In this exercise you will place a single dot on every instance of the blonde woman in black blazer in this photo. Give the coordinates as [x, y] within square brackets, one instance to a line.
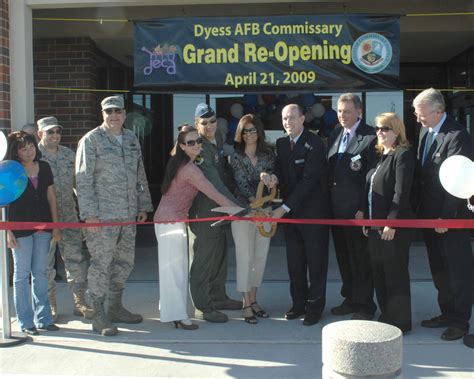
[388, 196]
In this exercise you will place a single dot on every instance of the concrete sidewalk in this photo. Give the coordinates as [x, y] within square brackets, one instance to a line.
[275, 348]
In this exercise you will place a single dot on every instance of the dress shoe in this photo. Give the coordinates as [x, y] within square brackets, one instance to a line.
[49, 328]
[469, 340]
[228, 304]
[30, 331]
[186, 325]
[294, 313]
[343, 309]
[311, 319]
[249, 316]
[258, 310]
[362, 316]
[436, 322]
[453, 333]
[215, 316]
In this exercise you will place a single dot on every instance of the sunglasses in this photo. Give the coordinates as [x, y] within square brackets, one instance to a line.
[193, 142]
[384, 129]
[54, 131]
[249, 131]
[211, 121]
[112, 110]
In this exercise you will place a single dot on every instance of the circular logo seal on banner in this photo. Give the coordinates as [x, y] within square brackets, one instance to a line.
[371, 53]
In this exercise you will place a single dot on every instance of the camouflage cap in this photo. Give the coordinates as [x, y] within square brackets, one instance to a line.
[112, 102]
[47, 123]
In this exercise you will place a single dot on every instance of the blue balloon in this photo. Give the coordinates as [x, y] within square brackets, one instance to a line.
[330, 117]
[250, 100]
[231, 127]
[308, 100]
[13, 181]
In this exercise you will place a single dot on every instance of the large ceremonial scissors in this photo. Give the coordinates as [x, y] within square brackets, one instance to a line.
[255, 209]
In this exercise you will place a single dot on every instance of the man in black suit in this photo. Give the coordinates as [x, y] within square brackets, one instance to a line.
[449, 250]
[351, 152]
[301, 170]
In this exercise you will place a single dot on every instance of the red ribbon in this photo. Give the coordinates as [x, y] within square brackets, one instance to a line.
[398, 223]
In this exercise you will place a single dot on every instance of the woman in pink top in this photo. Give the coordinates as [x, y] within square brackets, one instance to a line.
[181, 183]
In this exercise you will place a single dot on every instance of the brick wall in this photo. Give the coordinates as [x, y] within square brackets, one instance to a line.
[4, 67]
[67, 63]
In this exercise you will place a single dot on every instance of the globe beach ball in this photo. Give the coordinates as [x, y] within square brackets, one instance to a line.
[13, 181]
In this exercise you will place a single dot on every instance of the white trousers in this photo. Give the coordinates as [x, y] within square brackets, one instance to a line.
[173, 271]
[251, 250]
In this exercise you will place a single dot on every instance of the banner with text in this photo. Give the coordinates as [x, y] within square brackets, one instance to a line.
[320, 53]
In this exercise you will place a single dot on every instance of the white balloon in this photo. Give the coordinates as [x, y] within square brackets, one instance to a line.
[3, 145]
[222, 124]
[237, 110]
[456, 175]
[318, 110]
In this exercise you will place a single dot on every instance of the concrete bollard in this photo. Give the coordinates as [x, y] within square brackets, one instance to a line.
[362, 349]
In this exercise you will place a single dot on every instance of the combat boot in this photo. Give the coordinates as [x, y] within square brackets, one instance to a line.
[54, 306]
[80, 306]
[117, 313]
[101, 324]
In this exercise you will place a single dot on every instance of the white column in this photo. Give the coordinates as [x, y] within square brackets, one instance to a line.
[21, 65]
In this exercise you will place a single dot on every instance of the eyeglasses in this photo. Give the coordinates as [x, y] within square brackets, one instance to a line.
[54, 131]
[249, 131]
[384, 129]
[211, 121]
[193, 142]
[112, 110]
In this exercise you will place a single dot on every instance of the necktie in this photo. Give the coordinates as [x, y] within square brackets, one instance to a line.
[345, 140]
[292, 144]
[428, 143]
[343, 145]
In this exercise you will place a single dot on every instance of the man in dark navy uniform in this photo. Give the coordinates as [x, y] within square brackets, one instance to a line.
[301, 170]
[351, 152]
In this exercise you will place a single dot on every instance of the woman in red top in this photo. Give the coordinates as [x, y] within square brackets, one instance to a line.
[181, 184]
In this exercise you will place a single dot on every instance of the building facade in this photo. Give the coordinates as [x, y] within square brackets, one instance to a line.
[62, 57]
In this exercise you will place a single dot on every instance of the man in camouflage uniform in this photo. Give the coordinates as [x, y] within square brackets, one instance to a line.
[111, 187]
[61, 160]
[209, 266]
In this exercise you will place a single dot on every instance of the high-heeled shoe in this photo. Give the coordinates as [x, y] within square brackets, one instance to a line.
[258, 311]
[248, 315]
[184, 326]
